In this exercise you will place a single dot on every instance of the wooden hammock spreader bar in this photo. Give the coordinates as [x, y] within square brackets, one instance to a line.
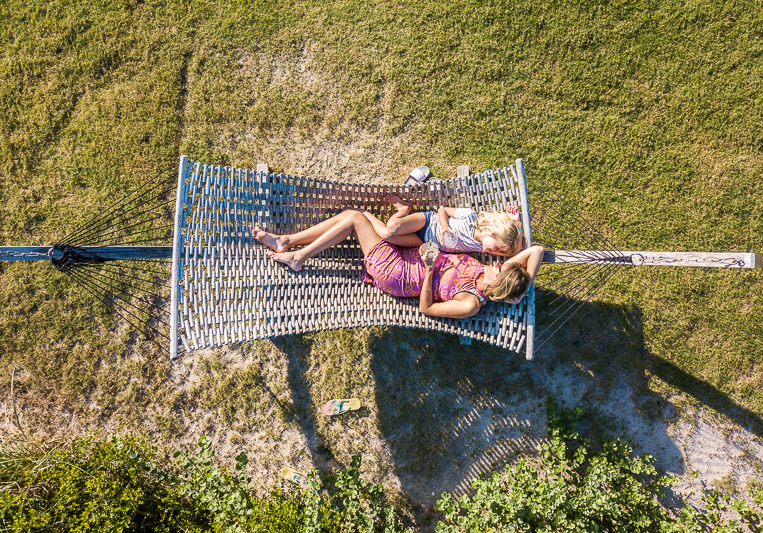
[181, 208]
[107, 253]
[226, 290]
[528, 238]
[684, 259]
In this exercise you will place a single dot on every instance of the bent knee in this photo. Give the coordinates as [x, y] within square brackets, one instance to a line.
[356, 215]
[384, 232]
[393, 227]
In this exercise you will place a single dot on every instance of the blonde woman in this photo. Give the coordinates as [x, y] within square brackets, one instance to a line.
[457, 229]
[448, 285]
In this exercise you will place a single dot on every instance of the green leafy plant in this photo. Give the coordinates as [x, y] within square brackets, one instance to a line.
[121, 484]
[341, 501]
[108, 485]
[224, 497]
[358, 505]
[570, 486]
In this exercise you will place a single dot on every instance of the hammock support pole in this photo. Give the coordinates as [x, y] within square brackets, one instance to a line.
[748, 260]
[106, 253]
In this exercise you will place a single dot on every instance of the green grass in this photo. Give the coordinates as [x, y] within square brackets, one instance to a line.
[646, 115]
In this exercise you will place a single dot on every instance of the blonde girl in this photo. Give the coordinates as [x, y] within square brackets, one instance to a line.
[456, 229]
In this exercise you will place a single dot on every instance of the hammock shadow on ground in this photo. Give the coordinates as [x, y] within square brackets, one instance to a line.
[306, 410]
[450, 412]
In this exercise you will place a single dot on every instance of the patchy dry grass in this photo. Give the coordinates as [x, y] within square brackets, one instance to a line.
[646, 116]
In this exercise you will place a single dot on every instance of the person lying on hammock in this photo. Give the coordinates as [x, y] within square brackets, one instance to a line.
[450, 285]
[457, 229]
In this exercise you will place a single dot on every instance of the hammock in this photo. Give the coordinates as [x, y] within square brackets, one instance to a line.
[223, 289]
[226, 290]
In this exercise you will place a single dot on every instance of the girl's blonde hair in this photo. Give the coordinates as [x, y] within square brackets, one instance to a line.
[499, 226]
[511, 283]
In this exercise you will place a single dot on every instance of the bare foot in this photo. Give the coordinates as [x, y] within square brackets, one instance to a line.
[274, 242]
[403, 207]
[287, 258]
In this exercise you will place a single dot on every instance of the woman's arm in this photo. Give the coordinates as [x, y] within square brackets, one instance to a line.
[425, 297]
[530, 259]
[533, 261]
[463, 305]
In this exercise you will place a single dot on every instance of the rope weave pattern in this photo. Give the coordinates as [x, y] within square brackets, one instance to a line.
[230, 291]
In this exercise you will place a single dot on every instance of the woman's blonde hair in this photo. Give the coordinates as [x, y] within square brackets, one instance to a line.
[512, 281]
[499, 226]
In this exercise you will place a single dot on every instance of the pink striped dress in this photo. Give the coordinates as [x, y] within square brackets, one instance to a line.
[400, 272]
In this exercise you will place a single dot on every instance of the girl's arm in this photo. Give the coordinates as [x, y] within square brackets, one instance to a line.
[443, 214]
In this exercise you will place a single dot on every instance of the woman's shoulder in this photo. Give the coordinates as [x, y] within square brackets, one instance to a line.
[469, 299]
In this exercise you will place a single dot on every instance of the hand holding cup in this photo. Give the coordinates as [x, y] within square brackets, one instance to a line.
[429, 253]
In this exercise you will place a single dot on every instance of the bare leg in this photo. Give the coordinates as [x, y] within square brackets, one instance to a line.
[282, 243]
[404, 221]
[353, 222]
[407, 224]
[408, 241]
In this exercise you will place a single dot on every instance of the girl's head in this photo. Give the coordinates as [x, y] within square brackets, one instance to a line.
[499, 232]
[512, 281]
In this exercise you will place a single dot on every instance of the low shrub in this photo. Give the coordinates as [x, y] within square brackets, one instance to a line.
[570, 486]
[119, 484]
[108, 485]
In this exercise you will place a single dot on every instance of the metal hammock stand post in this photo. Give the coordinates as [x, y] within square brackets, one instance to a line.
[224, 289]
